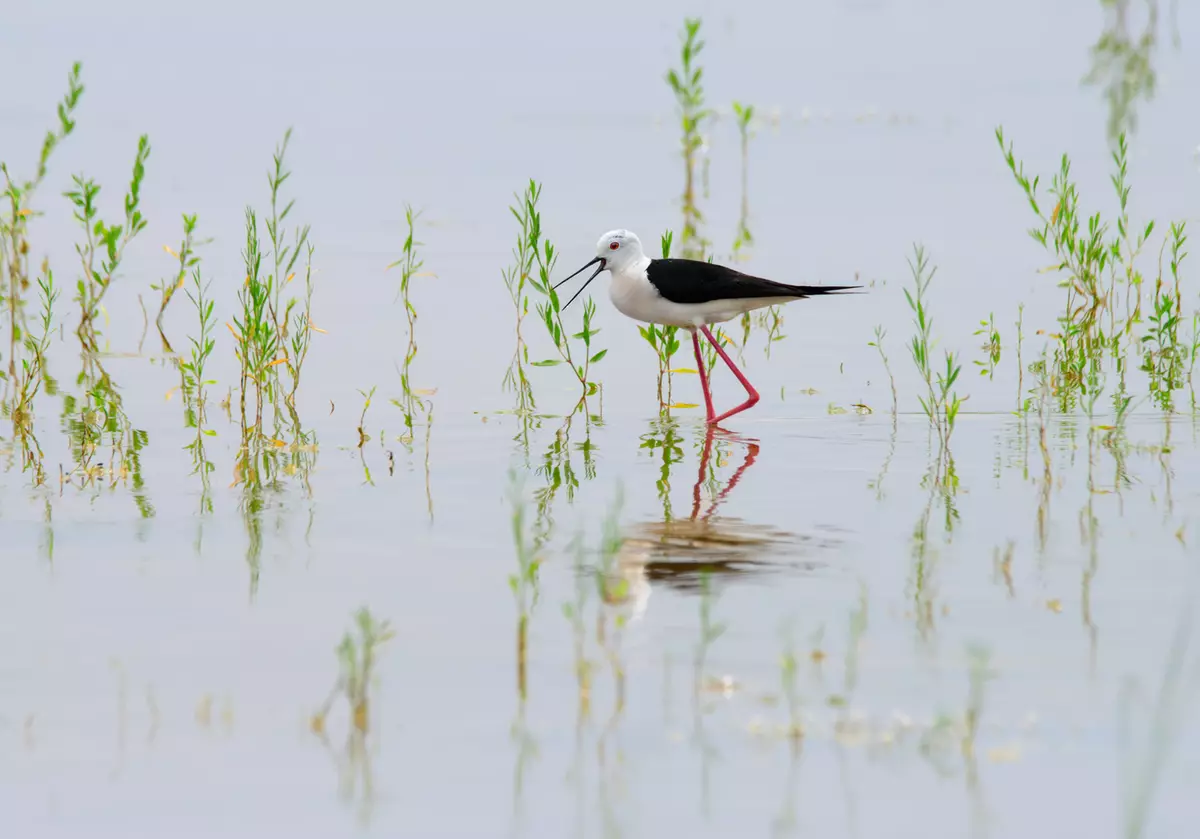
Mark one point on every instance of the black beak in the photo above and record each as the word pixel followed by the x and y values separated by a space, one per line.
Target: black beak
pixel 603 265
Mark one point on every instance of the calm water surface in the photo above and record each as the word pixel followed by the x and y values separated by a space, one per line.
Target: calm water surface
pixel 160 666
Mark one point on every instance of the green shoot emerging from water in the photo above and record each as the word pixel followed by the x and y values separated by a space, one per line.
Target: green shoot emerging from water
pixel 187 259
pixel 104 243
pixel 356 666
pixel 410 401
pixel 686 83
pixel 664 340
pixel 941 402
pixel 550 312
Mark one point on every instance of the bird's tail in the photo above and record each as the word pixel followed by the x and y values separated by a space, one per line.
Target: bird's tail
pixel 817 290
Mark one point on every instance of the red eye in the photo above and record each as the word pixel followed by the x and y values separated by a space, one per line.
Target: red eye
pixel 612 246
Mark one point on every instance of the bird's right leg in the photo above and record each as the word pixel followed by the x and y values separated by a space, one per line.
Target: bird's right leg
pixel 708 405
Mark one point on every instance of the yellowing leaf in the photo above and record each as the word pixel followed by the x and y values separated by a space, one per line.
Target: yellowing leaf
pixel 170 393
pixel 233 331
pixel 279 444
pixel 290 277
pixel 425 391
pixel 316 328
pixel 1054 605
pixel 168 249
pixel 684 405
pixel 24 211
pixel 277 361
pixel 691 370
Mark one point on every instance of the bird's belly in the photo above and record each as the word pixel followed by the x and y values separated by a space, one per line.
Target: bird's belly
pixel 641 301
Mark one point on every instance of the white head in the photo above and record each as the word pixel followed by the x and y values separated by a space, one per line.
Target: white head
pixel 619 249
pixel 616 251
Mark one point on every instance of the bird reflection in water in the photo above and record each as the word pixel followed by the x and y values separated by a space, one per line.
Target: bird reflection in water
pixel 681 552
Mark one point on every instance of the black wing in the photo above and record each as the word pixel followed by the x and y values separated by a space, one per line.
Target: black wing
pixel 693 281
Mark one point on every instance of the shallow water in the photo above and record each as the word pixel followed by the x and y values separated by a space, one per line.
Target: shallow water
pixel 160 665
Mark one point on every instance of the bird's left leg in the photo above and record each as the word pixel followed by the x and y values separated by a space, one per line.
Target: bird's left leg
pixel 751 393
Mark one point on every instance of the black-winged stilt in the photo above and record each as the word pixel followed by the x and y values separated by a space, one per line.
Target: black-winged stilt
pixel 690 294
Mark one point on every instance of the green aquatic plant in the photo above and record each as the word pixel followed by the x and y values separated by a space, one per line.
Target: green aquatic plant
pixel 363 437
pixel 32 375
pixel 880 334
pixel 194 384
pixel 575 611
pixel 524 581
pixel 273 336
pixel 789 672
pixel 411 402
pixel 255 336
pixel 356 658
pixel 104 243
pixel 544 257
pixel 14 219
pixel 664 441
pixel 743 238
pixel 516 278
pixel 979 673
pixel 686 83
pixel 710 631
pixel 1164 355
pixel 1123 62
pixel 1098 266
pixel 941 402
pixel 664 340
pixel 187 259
pixel 991 347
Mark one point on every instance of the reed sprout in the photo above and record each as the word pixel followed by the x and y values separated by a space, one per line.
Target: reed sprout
pixel 1097 261
pixel 273 335
pixel 14 224
pixel 686 83
pixel 516 278
pixel 32 374
pixel 187 259
pixel 104 243
pixel 410 265
pixel 941 403
pixel 991 347
pixel 356 668
pixel 880 334
pixel 194 383
pixel 664 340
pixel 541 251
pixel 745 117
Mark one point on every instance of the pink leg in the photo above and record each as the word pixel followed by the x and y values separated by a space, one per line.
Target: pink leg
pixel 751 393
pixel 703 377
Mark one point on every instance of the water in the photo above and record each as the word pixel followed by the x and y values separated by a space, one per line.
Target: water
pixel 160 672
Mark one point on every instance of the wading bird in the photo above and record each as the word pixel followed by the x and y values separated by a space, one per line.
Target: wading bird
pixel 690 294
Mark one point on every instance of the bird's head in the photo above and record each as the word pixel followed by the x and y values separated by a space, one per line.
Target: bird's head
pixel 616 251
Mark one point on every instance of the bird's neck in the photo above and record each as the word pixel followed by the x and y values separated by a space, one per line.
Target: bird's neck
pixel 634 266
